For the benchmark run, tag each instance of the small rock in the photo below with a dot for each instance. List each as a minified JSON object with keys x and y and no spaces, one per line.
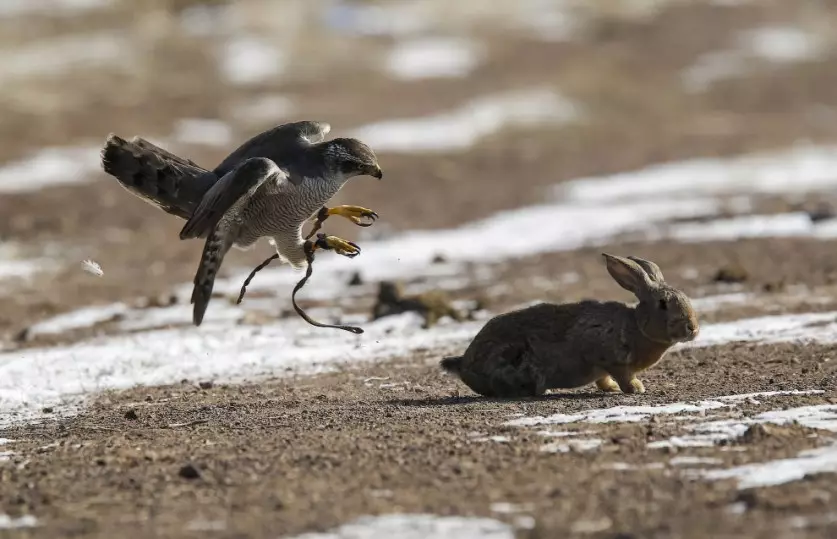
{"x":23,"y":335}
{"x":131,"y":415}
{"x":822,"y":212}
{"x":189,"y":471}
{"x":731,"y":274}
{"x":47,"y":409}
{"x":355,"y":279}
{"x":149,"y":398}
{"x":205,"y":385}
{"x":755,"y":433}
{"x":439,"y":259}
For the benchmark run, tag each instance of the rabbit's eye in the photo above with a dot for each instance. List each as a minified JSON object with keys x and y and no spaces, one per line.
{"x":663,"y":305}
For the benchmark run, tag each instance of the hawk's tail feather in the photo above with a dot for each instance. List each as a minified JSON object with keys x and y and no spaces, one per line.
{"x":173,"y":184}
{"x":214,"y":250}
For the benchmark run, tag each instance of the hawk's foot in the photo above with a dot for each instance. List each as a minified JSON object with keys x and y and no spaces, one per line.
{"x":333,"y":243}
{"x":356,"y":214}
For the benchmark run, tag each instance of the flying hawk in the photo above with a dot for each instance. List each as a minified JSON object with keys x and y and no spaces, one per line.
{"x":268,"y":187}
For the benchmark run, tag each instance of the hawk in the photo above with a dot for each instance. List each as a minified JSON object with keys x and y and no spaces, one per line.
{"x":268,"y":187}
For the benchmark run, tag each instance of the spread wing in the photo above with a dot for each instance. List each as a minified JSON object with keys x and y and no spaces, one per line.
{"x":229,"y":195}
{"x":283,"y":145}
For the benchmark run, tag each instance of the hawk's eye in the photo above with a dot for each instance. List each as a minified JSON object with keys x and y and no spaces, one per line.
{"x":663,"y":305}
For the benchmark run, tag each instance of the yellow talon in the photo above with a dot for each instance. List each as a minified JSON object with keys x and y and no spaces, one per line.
{"x":355,"y":214}
{"x":638,"y":386}
{"x":338,"y":245}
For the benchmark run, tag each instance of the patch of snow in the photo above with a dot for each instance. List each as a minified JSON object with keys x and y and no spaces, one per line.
{"x":461,"y":128}
{"x":417,"y":526}
{"x":251,"y":60}
{"x":425,"y":57}
{"x":710,"y":433}
{"x":782,"y":43}
{"x":510,"y":508}
{"x":804,"y":327}
{"x":624,"y":466}
{"x":81,"y":318}
{"x":778,"y":472}
{"x":377,"y":19}
{"x":25,"y":521}
{"x":718,"y":302}
{"x":49,"y":166}
{"x":689,"y":461}
{"x":633,"y":414}
{"x":33,"y":378}
{"x":796,"y":224}
{"x":17,"y":8}
{"x":775,"y":44}
{"x":572,"y":445}
{"x":6,"y":455}
{"x":203,"y":131}
{"x":63,"y":54}
{"x":797,"y":170}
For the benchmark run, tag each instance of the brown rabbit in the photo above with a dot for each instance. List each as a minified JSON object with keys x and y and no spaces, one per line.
{"x":525,"y":352}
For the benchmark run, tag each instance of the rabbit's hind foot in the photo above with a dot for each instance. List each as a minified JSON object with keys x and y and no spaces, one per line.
{"x":607,"y":384}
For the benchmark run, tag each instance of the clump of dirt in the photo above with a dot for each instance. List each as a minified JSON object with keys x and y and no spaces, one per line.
{"x":431,"y":305}
{"x":733,"y":273}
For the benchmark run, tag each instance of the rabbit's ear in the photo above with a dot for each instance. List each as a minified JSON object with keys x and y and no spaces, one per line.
{"x":628,"y":274}
{"x":652,"y":269}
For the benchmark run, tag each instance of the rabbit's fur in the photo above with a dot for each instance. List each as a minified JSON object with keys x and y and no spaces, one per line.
{"x":545,"y":346}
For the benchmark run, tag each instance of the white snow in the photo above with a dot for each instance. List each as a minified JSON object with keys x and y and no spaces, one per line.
{"x":16,"y":8}
{"x":771,"y":44}
{"x":52,"y":56}
{"x":203,"y":131}
{"x":572,"y":445}
{"x":33,"y":378}
{"x":25,"y":521}
{"x":426,"y":57}
{"x":78,"y":319}
{"x":804,"y":327}
{"x":249,"y":60}
{"x":49,"y":166}
{"x":796,"y":170}
{"x":777,"y":472}
{"x":417,"y":526}
{"x":461,"y":128}
{"x":689,"y":461}
{"x":632,"y":414}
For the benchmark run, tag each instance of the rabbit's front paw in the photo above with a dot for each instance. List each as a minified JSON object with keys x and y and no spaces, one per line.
{"x":607,"y":384}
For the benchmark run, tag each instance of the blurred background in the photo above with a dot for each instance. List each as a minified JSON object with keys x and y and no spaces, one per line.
{"x":474,"y":107}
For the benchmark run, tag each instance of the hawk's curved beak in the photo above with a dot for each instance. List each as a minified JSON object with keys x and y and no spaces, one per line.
{"x":376,"y":172}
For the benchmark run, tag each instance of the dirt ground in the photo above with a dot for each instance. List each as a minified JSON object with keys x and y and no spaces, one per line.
{"x":300,"y":454}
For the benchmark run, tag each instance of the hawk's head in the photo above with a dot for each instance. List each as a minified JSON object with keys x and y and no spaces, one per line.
{"x":350,"y":157}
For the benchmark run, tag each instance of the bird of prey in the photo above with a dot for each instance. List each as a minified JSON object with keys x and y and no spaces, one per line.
{"x":268,"y":187}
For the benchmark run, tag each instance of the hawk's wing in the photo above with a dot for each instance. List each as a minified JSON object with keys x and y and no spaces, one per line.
{"x":229,"y":195}
{"x":220,"y":210}
{"x":283,"y":145}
